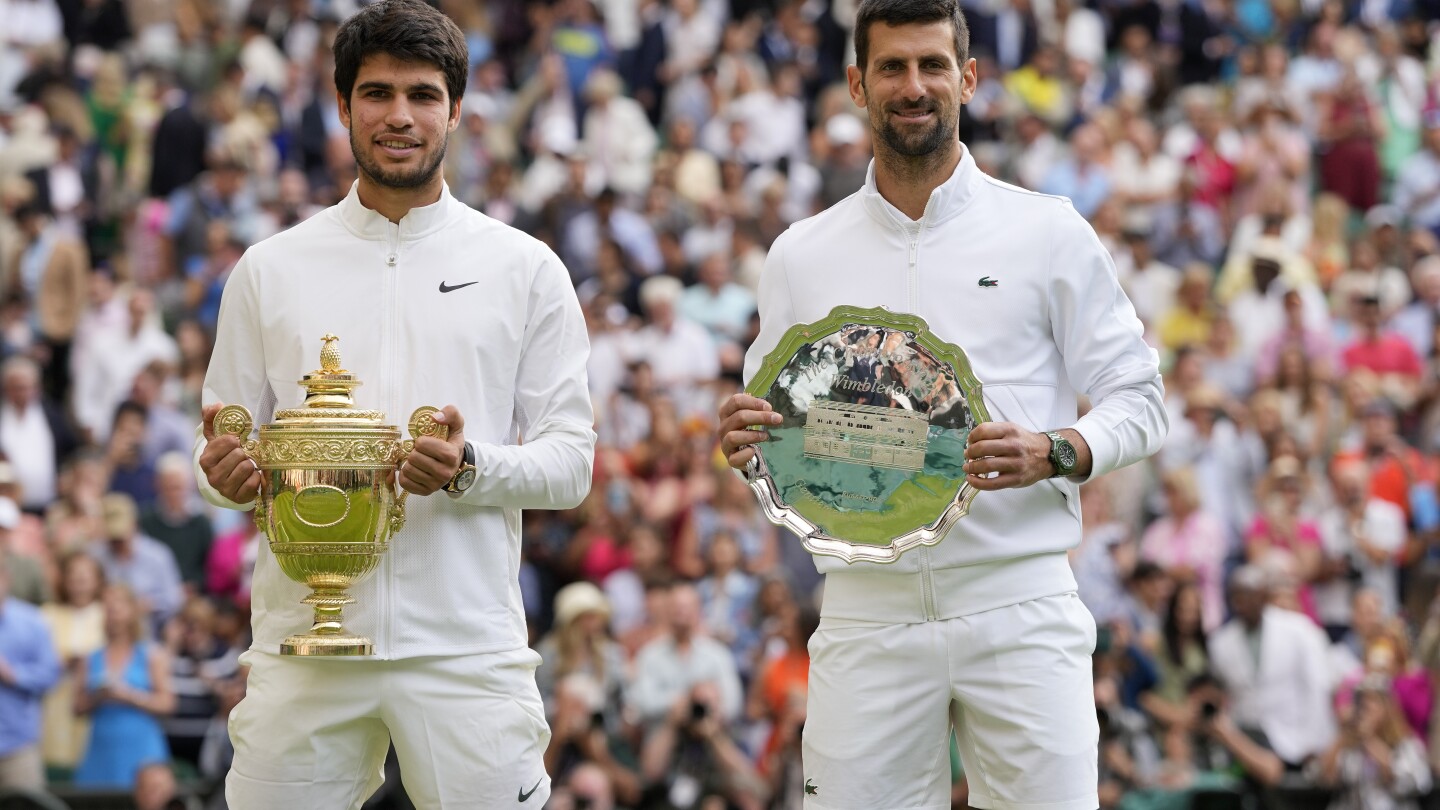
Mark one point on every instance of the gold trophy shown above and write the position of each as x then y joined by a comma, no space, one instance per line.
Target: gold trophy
328,498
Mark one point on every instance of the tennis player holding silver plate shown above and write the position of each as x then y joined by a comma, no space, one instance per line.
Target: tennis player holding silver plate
982,630
869,460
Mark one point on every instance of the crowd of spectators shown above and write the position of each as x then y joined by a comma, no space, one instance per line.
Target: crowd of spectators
1265,174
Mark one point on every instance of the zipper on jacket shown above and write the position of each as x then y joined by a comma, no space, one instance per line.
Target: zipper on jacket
912,285
387,337
912,273
927,585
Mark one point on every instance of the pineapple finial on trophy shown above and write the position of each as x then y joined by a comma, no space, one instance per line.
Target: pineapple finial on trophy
330,355
330,385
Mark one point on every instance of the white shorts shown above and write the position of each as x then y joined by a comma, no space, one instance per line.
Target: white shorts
469,731
1015,682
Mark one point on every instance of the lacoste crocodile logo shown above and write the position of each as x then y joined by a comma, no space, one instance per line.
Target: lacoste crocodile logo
989,282
811,790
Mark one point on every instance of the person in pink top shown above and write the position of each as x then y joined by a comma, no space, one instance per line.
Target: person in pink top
1385,353
1283,537
1388,657
1189,543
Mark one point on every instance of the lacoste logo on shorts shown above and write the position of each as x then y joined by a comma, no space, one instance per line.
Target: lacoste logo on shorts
811,790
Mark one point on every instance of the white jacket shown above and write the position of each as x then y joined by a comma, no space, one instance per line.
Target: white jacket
509,352
1056,323
1288,695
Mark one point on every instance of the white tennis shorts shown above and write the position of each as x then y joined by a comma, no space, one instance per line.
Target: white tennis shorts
469,731
1015,682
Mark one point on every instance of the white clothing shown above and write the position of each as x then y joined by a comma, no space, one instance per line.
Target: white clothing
882,699
1135,176
1151,288
663,675
1383,526
28,442
509,353
621,144
109,374
469,730
1415,187
264,65
1057,325
681,359
1287,695
29,23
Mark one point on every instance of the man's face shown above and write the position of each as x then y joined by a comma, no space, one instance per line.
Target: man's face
399,115
174,487
20,388
1248,603
684,610
913,86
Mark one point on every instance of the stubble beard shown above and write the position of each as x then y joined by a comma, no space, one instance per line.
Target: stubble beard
920,144
397,179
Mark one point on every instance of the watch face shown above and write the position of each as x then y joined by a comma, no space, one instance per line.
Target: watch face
467,478
1065,454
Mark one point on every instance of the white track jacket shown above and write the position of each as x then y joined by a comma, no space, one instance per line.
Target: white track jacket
446,307
1055,323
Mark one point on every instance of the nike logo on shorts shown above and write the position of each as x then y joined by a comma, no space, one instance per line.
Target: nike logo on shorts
526,794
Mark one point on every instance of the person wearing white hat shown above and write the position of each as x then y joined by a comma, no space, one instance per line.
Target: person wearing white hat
579,642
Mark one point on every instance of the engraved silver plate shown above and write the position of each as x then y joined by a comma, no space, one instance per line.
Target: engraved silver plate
868,461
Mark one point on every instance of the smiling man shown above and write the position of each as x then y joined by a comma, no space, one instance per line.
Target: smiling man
983,632
433,302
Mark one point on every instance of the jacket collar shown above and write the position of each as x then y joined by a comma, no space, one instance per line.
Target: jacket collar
369,224
947,200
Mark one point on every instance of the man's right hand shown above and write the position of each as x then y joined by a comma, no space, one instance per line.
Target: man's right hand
737,415
226,466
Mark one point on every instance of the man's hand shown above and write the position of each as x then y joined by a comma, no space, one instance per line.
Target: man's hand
1021,457
434,462
737,415
229,470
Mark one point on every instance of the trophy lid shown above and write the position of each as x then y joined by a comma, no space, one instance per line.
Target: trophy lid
327,390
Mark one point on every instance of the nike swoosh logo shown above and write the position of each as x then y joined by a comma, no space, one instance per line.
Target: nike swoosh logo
524,795
445,289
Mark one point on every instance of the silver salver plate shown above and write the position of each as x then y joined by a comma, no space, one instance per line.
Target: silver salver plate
868,460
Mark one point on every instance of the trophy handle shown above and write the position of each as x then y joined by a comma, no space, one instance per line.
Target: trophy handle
235,420
422,423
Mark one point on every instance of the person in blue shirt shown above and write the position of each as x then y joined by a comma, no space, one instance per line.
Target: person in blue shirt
28,669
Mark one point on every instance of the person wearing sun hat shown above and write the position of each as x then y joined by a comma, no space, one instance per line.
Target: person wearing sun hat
143,564
580,642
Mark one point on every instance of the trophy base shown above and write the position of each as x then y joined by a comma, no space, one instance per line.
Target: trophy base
327,645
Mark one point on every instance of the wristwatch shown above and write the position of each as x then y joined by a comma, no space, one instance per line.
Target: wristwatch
464,477
1062,455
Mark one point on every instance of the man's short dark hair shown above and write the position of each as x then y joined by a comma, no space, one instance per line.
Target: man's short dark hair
409,30
905,12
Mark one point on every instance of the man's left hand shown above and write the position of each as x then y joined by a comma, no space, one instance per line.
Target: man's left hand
434,462
1020,456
